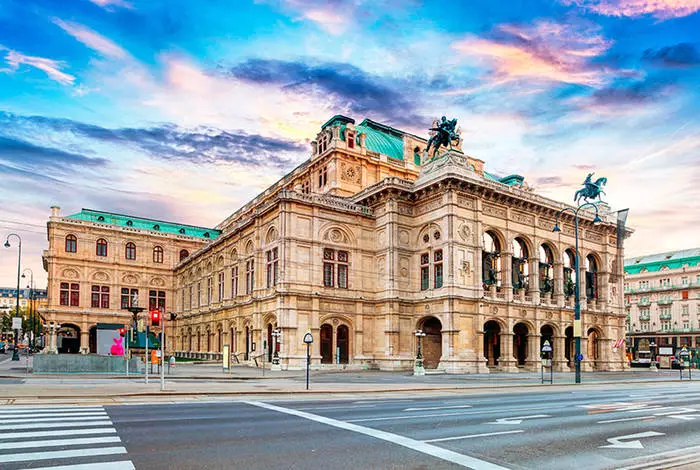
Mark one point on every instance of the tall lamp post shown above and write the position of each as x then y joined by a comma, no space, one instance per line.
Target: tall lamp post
134,309
577,298
418,368
31,306
276,335
15,352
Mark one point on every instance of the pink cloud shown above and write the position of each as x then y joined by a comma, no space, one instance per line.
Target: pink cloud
661,9
545,51
109,4
91,39
51,67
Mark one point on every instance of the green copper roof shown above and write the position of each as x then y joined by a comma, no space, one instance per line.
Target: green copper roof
382,139
338,119
671,260
122,220
510,180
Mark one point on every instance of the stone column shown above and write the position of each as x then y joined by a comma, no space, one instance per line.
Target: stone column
84,342
558,281
582,283
507,361
532,361
559,360
507,275
534,280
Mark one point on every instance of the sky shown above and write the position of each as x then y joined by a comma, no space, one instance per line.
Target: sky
184,111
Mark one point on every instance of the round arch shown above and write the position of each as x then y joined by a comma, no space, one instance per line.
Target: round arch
337,234
432,341
429,229
68,339
493,327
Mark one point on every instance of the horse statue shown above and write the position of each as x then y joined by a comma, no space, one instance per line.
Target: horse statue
591,189
445,134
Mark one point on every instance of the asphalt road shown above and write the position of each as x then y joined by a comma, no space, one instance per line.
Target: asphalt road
629,426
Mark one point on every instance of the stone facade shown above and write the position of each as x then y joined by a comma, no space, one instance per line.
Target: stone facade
362,245
662,300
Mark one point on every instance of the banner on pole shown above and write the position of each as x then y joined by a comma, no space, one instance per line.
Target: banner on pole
16,323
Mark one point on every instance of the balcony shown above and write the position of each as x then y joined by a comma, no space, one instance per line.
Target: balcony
644,316
665,316
644,302
665,301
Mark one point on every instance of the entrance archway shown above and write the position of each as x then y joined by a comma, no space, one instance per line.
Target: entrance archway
520,333
569,345
492,342
68,339
592,350
326,344
92,339
269,342
432,342
547,334
342,343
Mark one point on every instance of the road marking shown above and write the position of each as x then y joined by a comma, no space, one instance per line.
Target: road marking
428,449
59,442
53,415
676,411
60,454
62,432
53,409
123,465
97,417
470,436
516,419
321,408
618,443
684,417
81,424
622,420
464,413
438,408
648,462
650,408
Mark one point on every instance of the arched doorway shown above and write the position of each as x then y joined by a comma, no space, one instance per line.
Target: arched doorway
220,335
520,333
591,278
592,349
491,260
569,345
492,342
92,339
326,344
547,334
68,339
342,343
432,342
520,266
269,342
208,341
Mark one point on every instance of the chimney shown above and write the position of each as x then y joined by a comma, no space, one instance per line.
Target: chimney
55,211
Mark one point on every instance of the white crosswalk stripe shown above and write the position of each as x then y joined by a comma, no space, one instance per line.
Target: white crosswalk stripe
61,438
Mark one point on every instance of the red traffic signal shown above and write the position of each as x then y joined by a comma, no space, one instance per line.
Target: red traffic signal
122,331
155,317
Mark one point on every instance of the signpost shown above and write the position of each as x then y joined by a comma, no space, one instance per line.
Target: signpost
547,362
308,339
684,362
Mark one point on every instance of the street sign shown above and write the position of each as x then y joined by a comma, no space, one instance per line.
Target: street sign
579,357
16,323
546,347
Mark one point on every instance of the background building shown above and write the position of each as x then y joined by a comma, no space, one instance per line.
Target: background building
363,244
662,299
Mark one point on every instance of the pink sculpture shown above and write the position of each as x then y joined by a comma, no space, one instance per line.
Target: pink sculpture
117,348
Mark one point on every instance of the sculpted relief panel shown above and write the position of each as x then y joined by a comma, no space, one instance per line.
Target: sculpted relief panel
429,206
465,232
522,218
496,211
465,201
350,173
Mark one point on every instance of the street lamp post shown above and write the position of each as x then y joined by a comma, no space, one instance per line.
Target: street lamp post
577,289
418,368
31,306
276,335
15,352
134,309
308,339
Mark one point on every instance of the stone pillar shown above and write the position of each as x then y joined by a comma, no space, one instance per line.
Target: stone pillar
558,281
84,342
532,361
507,275
559,352
534,280
507,362
52,340
481,361
582,283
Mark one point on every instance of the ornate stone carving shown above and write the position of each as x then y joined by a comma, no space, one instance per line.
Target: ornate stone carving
523,312
158,282
335,322
493,310
495,211
403,269
547,224
350,173
522,218
403,237
100,276
465,201
594,236
550,315
465,233
69,273
130,279
429,206
404,209
427,307
336,236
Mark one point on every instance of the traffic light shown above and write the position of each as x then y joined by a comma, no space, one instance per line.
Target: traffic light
155,318
122,331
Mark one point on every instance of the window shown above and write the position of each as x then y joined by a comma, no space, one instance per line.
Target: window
335,268
71,244
627,286
70,294
686,324
437,268
684,295
249,276
272,267
322,177
184,254
351,140
665,325
234,282
158,254
684,281
182,299
591,278
685,310
156,300
220,287
127,296
199,294
130,251
491,260
546,269
643,285
101,247
424,271
208,290
306,187
191,297
665,282
100,297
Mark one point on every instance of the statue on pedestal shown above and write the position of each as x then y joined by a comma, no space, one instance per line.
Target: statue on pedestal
445,134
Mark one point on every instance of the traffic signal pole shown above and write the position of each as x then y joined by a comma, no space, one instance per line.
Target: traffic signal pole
162,353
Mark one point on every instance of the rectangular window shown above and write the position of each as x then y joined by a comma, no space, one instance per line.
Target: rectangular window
65,296
156,300
272,267
208,290
249,276
684,281
221,286
100,297
127,296
328,274
424,271
182,299
684,295
75,295
438,275
335,268
191,297
199,294
234,282
343,276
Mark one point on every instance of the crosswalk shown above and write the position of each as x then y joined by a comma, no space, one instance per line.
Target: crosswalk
60,438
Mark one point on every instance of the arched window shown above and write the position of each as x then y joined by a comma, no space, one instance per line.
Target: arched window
546,269
591,278
158,254
130,251
521,270
569,272
184,254
101,247
491,260
71,244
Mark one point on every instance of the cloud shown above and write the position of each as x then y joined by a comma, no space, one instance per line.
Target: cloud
679,55
24,155
168,141
92,39
111,4
51,67
660,9
545,51
347,85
